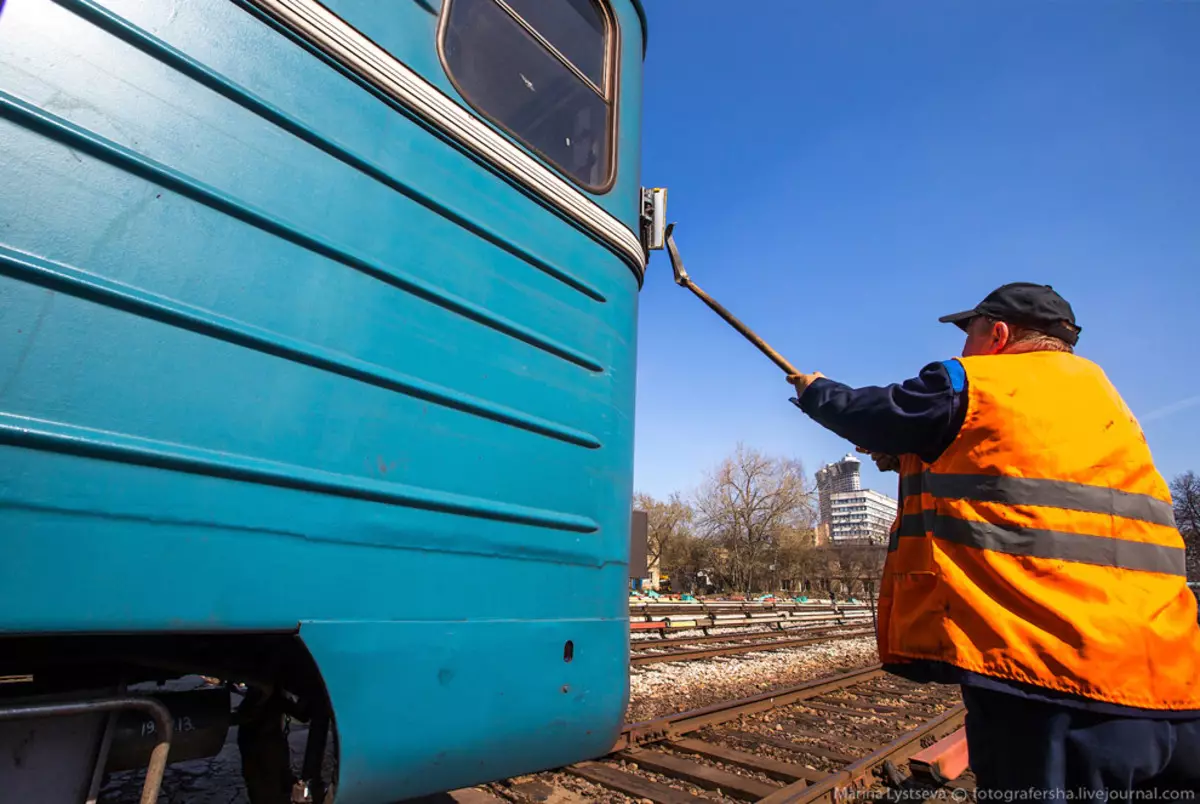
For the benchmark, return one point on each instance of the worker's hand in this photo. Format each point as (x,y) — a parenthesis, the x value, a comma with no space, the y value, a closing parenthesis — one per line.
(883,461)
(802,381)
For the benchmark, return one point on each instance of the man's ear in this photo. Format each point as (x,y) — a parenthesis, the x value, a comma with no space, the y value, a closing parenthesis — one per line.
(1000,336)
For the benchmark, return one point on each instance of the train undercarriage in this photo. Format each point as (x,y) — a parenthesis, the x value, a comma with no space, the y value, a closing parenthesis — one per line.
(75,710)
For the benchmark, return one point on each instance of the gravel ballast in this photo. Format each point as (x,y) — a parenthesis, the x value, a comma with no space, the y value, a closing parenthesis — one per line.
(660,689)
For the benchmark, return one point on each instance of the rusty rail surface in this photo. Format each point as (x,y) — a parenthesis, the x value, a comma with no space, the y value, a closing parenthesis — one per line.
(830,790)
(680,723)
(945,760)
(802,783)
(707,750)
(782,631)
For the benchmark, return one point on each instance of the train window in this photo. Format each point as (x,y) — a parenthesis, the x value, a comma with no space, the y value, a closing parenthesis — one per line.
(541,70)
(575,27)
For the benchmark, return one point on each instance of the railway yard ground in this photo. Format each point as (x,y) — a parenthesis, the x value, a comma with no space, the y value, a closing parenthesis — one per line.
(747,703)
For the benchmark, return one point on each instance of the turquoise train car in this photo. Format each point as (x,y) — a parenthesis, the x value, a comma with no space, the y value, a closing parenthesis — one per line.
(317,383)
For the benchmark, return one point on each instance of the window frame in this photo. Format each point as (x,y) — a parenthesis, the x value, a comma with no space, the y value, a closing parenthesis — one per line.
(610,93)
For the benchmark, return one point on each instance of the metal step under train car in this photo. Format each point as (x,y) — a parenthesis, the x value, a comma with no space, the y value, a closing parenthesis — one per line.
(311,311)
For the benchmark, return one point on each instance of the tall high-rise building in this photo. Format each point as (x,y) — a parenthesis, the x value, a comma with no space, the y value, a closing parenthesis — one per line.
(849,513)
(835,478)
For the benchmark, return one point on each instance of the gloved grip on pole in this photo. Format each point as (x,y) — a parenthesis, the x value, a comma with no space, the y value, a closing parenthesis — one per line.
(683,280)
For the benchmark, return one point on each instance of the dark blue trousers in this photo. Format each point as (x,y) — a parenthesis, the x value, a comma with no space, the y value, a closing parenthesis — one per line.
(1022,749)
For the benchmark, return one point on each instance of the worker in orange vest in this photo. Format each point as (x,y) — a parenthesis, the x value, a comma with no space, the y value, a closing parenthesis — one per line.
(1035,559)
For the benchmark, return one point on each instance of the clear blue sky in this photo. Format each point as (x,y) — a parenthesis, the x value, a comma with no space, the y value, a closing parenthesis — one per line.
(844,173)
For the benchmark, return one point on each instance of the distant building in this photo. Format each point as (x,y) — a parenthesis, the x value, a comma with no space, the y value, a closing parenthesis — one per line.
(834,478)
(850,514)
(861,517)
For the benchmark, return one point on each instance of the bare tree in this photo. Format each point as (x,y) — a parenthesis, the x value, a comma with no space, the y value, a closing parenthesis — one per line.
(666,522)
(1185,492)
(687,557)
(746,504)
(858,567)
(795,554)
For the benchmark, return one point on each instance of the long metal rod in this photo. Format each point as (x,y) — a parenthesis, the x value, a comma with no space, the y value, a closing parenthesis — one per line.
(110,725)
(162,722)
(683,280)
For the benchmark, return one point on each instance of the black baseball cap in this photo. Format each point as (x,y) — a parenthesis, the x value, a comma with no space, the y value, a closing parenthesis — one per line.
(1024,304)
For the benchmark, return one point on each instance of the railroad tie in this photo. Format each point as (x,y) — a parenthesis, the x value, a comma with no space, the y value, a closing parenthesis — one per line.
(824,735)
(813,749)
(866,706)
(467,795)
(853,712)
(635,786)
(768,766)
(892,692)
(730,784)
(899,750)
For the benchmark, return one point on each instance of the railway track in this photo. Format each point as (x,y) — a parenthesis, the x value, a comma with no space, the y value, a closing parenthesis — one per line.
(669,616)
(760,623)
(654,651)
(811,742)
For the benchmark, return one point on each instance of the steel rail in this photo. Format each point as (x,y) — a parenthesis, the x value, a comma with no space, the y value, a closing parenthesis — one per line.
(754,647)
(830,790)
(734,636)
(677,724)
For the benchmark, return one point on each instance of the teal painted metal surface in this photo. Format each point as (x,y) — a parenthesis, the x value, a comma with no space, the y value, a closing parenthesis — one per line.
(276,357)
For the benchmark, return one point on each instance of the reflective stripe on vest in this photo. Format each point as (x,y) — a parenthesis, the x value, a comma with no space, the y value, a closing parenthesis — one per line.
(1055,544)
(1040,542)
(1038,491)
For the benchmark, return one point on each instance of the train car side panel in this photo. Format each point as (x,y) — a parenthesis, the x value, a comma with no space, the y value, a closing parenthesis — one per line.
(278,356)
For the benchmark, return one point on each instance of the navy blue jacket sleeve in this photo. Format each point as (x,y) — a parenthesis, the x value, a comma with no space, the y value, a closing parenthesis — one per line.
(919,416)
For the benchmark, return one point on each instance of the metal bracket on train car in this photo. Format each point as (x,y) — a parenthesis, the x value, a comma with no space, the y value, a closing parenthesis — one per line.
(683,280)
(653,218)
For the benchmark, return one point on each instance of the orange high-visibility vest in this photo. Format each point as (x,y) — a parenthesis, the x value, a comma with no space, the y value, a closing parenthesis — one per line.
(1041,547)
